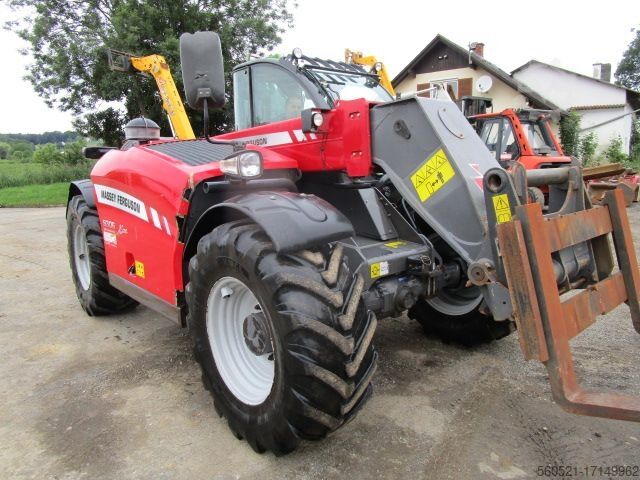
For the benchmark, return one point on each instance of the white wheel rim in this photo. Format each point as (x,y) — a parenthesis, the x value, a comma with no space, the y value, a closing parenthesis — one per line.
(454,305)
(247,375)
(81,257)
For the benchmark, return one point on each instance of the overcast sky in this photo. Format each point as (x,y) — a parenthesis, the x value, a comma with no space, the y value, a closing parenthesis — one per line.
(569,34)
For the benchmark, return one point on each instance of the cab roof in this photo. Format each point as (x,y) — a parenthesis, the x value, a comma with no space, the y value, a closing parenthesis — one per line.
(310,62)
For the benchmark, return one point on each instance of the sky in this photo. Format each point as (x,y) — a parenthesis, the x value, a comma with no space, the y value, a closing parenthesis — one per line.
(569,34)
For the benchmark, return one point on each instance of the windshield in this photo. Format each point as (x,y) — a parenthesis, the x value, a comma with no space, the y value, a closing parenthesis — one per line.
(538,137)
(349,86)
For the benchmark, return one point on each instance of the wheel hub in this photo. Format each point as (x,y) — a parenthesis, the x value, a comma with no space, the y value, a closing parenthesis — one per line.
(238,329)
(81,257)
(256,334)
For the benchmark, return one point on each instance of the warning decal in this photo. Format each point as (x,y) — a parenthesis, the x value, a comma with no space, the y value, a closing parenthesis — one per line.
(139,269)
(379,269)
(433,175)
(396,244)
(502,208)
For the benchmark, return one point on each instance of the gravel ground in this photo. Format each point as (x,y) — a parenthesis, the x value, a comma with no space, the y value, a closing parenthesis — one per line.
(120,397)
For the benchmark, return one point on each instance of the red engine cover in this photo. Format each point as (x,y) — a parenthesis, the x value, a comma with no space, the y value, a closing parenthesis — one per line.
(140,193)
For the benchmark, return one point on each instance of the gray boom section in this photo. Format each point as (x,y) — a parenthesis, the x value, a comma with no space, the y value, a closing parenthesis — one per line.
(407,136)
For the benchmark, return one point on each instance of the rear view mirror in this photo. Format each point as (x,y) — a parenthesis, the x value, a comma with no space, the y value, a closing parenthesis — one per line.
(202,69)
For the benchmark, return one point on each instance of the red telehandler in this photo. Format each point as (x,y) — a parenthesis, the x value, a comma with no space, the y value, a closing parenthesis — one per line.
(281,245)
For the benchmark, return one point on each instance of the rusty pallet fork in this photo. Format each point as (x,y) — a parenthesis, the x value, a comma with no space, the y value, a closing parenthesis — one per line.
(546,322)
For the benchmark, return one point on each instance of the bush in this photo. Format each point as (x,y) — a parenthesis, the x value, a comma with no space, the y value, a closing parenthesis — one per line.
(634,157)
(48,154)
(570,134)
(5,148)
(588,147)
(73,153)
(21,151)
(614,152)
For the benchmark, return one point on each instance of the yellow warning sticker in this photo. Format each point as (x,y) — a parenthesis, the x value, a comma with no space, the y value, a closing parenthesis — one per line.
(502,208)
(433,175)
(396,244)
(379,269)
(139,269)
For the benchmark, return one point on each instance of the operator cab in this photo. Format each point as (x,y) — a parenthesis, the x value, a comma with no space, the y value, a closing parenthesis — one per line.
(497,132)
(272,90)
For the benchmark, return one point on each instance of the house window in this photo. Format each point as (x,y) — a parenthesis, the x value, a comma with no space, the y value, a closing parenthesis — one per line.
(455,87)
(450,85)
(424,86)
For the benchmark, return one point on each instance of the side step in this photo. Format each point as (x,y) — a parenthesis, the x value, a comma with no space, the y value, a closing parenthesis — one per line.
(546,322)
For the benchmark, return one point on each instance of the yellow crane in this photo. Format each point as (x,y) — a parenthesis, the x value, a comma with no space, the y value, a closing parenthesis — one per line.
(351,56)
(157,67)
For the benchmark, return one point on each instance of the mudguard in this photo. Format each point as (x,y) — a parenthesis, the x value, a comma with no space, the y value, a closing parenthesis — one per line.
(84,188)
(293,221)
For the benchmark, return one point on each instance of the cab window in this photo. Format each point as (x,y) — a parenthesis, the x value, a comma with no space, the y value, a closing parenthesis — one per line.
(241,99)
(277,95)
(509,149)
(497,135)
(538,138)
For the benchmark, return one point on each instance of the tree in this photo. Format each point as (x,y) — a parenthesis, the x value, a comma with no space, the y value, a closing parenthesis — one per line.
(68,42)
(628,71)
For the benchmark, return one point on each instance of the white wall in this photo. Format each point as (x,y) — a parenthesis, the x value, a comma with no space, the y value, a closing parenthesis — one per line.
(503,95)
(605,133)
(568,90)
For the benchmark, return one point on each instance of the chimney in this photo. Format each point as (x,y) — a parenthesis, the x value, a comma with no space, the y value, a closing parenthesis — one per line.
(602,71)
(477,48)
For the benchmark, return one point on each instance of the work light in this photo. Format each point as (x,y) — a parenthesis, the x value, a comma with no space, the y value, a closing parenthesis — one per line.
(245,164)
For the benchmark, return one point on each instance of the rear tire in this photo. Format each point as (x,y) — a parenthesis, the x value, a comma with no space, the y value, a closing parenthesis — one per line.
(88,264)
(315,322)
(469,328)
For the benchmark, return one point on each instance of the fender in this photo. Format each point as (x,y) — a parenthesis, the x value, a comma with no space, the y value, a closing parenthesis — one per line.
(293,221)
(84,188)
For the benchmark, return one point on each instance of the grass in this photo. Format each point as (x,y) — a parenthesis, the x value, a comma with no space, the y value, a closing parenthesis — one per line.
(18,174)
(34,195)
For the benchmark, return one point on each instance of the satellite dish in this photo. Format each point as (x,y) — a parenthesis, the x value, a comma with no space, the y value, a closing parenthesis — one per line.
(484,84)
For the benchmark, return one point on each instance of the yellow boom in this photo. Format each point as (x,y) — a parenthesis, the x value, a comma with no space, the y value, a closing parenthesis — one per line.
(158,68)
(351,56)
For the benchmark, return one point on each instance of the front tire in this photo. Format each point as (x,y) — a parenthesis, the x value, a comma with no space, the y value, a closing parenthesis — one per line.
(88,264)
(316,357)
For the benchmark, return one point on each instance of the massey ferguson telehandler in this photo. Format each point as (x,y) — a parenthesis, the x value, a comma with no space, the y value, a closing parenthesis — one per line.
(331,206)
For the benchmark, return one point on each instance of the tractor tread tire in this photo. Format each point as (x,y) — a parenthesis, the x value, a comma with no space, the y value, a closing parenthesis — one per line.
(469,330)
(100,298)
(325,369)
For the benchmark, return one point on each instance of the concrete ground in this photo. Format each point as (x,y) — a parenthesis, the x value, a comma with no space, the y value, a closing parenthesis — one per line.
(120,397)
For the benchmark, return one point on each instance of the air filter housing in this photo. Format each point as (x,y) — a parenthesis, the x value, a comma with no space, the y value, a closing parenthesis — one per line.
(142,129)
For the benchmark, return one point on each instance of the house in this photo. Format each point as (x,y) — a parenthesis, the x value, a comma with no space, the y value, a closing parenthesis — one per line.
(464,72)
(606,109)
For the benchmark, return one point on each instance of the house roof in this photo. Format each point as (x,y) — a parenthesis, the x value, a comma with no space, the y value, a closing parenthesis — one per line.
(633,97)
(598,107)
(536,100)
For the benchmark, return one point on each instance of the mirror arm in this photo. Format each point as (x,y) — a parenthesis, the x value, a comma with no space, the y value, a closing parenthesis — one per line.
(236,146)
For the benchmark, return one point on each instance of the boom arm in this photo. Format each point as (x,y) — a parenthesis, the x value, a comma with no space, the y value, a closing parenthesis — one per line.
(356,57)
(158,68)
